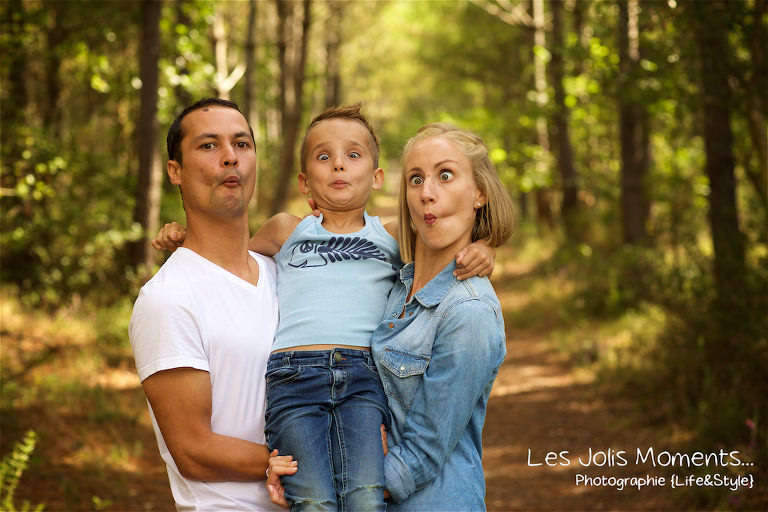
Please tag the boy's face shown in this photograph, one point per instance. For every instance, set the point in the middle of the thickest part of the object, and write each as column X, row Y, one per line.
column 340, row 174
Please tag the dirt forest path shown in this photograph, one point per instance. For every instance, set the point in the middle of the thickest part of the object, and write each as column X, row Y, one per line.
column 541, row 402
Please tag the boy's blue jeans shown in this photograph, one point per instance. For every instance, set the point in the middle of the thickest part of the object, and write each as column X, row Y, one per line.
column 326, row 408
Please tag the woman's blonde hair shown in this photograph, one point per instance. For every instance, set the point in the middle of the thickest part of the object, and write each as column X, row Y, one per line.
column 494, row 221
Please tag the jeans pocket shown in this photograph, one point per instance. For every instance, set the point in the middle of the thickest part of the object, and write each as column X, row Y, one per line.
column 281, row 375
column 371, row 366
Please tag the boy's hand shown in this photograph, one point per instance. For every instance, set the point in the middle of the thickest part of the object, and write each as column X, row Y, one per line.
column 170, row 237
column 474, row 260
column 386, row 451
column 384, row 440
column 313, row 206
column 279, row 465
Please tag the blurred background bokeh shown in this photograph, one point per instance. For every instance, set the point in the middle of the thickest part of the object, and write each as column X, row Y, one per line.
column 631, row 135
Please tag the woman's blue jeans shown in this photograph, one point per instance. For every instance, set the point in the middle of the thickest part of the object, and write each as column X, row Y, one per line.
column 326, row 408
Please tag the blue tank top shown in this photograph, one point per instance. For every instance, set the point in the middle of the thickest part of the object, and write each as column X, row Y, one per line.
column 332, row 288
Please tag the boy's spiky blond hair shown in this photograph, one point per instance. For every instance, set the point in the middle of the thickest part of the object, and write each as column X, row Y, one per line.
column 351, row 112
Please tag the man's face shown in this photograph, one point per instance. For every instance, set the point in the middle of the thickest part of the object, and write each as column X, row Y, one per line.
column 219, row 162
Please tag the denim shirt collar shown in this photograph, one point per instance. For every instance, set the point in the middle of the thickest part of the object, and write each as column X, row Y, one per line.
column 437, row 288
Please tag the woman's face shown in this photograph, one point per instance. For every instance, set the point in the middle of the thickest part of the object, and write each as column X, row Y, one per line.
column 442, row 195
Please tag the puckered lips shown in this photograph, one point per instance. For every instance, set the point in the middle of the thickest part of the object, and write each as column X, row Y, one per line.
column 430, row 219
column 231, row 180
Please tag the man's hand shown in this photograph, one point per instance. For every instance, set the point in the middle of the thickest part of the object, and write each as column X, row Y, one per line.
column 170, row 237
column 474, row 260
column 279, row 465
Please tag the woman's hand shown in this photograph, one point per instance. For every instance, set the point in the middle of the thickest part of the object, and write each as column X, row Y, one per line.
column 476, row 259
column 279, row 465
column 170, row 237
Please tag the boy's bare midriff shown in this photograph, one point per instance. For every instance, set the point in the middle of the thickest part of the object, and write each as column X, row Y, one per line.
column 319, row 347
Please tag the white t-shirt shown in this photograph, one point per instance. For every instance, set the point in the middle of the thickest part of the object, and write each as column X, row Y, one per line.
column 193, row 313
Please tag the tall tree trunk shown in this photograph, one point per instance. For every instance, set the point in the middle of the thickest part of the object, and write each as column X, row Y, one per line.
column 150, row 174
column 250, row 98
column 182, row 95
column 580, row 15
column 224, row 80
column 563, row 149
column 13, row 109
column 15, row 100
column 54, row 38
column 633, row 128
column 757, row 103
column 332, row 43
column 543, row 202
column 711, row 29
column 293, row 33
column 249, row 105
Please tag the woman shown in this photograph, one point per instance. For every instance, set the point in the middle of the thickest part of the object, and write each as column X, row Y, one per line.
column 442, row 341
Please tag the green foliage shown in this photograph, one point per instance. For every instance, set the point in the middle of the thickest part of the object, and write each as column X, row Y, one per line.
column 61, row 232
column 705, row 365
column 11, row 468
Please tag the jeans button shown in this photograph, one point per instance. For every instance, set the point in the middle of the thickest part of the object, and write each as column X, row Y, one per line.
column 337, row 356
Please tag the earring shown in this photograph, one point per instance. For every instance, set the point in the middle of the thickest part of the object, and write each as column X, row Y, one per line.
column 477, row 205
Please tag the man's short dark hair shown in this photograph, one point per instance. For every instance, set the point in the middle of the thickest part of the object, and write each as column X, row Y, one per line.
column 175, row 134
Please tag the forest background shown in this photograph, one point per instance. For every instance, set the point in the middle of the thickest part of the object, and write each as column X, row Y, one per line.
column 631, row 135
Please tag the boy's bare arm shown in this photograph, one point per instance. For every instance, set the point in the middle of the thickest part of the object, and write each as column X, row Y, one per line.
column 393, row 228
column 476, row 259
column 273, row 233
column 170, row 237
column 268, row 239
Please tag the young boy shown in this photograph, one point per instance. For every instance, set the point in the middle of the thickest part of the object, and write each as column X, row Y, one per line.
column 325, row 402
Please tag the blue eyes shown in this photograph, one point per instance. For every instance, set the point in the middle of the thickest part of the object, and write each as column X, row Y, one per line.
column 418, row 180
column 326, row 156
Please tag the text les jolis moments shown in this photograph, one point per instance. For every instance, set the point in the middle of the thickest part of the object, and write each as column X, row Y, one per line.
column 612, row 458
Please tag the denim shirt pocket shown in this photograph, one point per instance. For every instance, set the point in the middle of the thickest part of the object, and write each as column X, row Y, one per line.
column 404, row 374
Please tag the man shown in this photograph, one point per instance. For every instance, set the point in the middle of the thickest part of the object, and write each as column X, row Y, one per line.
column 202, row 327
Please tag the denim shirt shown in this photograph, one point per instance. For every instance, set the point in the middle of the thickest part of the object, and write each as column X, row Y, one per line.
column 438, row 363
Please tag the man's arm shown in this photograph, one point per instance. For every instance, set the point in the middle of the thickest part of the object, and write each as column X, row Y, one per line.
column 181, row 401
column 273, row 233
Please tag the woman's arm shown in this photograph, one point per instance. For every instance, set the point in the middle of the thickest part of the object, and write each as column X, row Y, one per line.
column 467, row 351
